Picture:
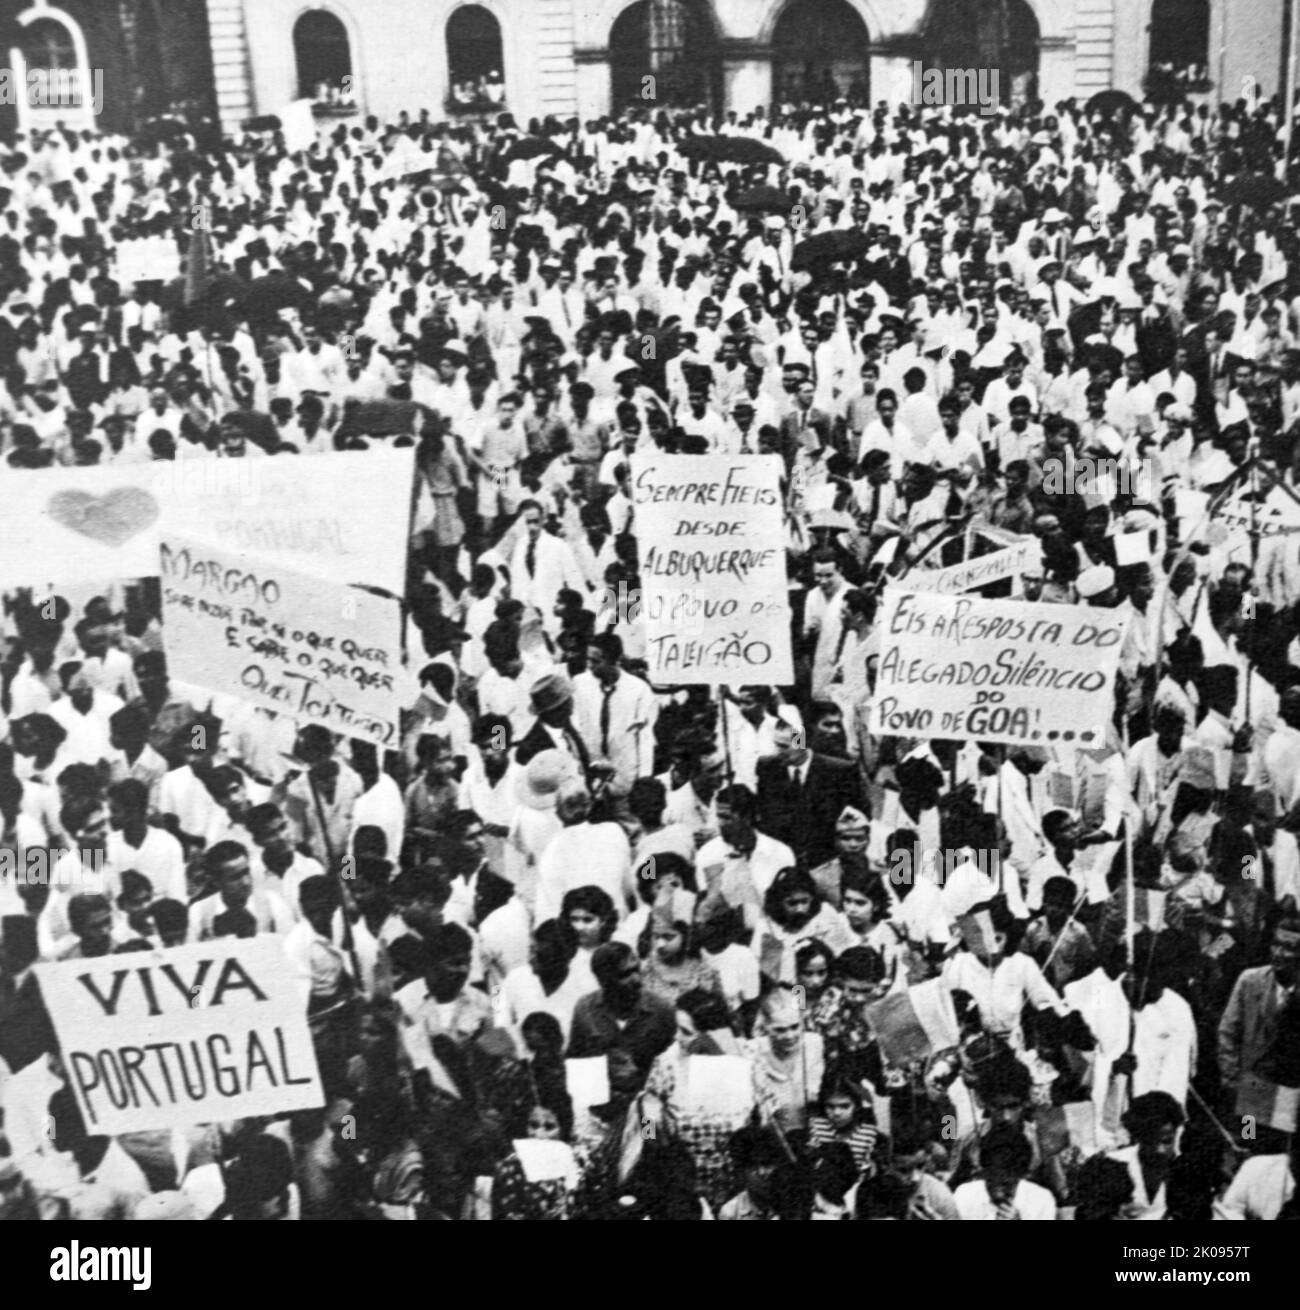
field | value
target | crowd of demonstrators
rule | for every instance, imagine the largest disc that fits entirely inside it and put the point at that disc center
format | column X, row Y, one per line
column 588, row 947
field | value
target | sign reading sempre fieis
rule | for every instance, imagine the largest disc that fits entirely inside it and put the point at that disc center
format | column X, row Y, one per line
column 320, row 652
column 715, row 600
column 182, row 1036
column 997, row 671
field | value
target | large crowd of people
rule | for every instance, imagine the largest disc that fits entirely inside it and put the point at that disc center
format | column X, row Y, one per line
column 587, row 946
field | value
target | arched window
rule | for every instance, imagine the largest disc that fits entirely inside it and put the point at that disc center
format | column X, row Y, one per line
column 324, row 58
column 1179, row 48
column 662, row 53
column 475, row 68
column 992, row 35
column 55, row 82
column 47, row 44
column 819, row 52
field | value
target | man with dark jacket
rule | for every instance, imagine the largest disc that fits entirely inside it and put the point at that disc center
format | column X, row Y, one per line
column 801, row 795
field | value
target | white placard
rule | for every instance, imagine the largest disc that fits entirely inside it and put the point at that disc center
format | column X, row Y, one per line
column 188, row 1035
column 965, row 668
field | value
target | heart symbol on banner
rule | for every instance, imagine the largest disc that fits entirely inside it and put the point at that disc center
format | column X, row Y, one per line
column 113, row 518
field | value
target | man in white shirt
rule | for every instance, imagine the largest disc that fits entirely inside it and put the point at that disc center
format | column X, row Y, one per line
column 136, row 844
column 740, row 863
column 84, row 713
column 1002, row 1192
column 824, row 618
column 615, row 713
column 541, row 565
column 583, row 854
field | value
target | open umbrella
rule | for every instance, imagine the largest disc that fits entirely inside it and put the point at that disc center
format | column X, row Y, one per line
column 385, row 418
column 733, row 149
column 1111, row 102
column 763, row 199
column 529, row 148
column 1258, row 190
column 828, row 247
column 262, row 123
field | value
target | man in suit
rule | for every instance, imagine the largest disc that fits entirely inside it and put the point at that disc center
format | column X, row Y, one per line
column 802, row 427
column 802, row 794
column 1250, row 1021
column 551, row 699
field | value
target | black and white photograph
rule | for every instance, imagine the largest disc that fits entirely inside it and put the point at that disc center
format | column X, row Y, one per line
column 676, row 610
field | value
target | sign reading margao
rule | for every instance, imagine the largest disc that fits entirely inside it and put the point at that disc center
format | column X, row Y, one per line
column 188, row 1035
column 320, row 652
column 712, row 549
column 995, row 670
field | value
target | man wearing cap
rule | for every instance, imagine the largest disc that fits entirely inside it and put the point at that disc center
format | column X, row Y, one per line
column 852, row 830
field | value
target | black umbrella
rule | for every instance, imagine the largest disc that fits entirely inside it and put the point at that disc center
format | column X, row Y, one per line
column 385, row 418
column 763, row 199
column 828, row 247
column 529, row 148
column 733, row 149
column 1258, row 190
column 1109, row 103
column 262, row 123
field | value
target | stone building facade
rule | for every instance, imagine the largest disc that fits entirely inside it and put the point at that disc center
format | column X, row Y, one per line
column 586, row 57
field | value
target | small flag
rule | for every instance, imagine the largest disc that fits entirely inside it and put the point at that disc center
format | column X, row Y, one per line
column 1073, row 1124
column 771, row 956
column 1149, row 908
column 1268, row 1103
column 912, row 1025
column 978, row 933
column 1061, row 790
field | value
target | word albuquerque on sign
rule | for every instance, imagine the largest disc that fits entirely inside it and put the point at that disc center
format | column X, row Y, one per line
column 188, row 1035
column 994, row 670
column 320, row 652
column 712, row 548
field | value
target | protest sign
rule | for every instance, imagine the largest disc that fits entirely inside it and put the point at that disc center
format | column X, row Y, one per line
column 343, row 516
column 1024, row 557
column 715, row 597
column 188, row 1035
column 1276, row 514
column 995, row 670
column 321, row 652
column 147, row 259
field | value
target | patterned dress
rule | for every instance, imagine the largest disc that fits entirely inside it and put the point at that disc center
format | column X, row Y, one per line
column 704, row 1123
column 520, row 1189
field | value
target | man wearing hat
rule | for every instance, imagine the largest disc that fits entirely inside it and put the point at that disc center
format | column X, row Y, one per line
column 551, row 700
column 1059, row 296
